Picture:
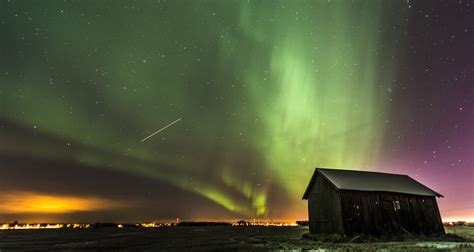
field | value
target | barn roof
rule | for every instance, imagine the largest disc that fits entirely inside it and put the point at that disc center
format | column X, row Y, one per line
column 371, row 181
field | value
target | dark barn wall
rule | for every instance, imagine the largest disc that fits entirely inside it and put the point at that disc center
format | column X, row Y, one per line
column 375, row 213
column 324, row 207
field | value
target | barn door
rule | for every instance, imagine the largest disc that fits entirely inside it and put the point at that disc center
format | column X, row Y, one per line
column 390, row 216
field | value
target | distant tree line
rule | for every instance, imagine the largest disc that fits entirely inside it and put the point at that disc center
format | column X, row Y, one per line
column 302, row 222
column 191, row 223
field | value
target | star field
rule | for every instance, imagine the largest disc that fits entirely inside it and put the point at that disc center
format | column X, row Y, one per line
column 267, row 91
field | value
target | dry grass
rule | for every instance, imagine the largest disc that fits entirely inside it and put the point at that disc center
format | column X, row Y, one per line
column 466, row 232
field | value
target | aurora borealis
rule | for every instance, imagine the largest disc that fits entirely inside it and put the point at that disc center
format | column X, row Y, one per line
column 268, row 90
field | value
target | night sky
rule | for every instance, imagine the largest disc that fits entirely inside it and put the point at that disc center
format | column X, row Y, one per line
column 267, row 91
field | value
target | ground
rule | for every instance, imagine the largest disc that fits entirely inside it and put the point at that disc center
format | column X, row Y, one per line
column 463, row 231
column 204, row 238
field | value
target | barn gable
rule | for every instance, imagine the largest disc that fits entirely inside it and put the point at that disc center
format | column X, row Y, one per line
column 324, row 204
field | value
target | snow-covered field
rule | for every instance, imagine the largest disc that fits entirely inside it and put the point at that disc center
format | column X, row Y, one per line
column 206, row 238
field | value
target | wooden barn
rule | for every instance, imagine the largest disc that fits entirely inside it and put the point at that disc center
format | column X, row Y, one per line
column 359, row 202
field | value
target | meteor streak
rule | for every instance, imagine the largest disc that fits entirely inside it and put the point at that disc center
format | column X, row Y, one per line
column 158, row 131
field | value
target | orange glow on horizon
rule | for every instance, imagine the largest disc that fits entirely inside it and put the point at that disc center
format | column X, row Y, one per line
column 30, row 202
column 458, row 218
column 457, row 215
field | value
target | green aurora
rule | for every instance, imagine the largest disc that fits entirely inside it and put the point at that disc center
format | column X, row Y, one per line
column 267, row 91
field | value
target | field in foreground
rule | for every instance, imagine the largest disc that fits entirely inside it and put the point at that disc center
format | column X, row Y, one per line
column 203, row 238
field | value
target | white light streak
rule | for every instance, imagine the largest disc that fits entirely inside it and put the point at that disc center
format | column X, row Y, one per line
column 158, row 131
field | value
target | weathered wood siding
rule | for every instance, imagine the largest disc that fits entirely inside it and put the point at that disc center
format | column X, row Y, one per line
column 377, row 213
column 324, row 208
